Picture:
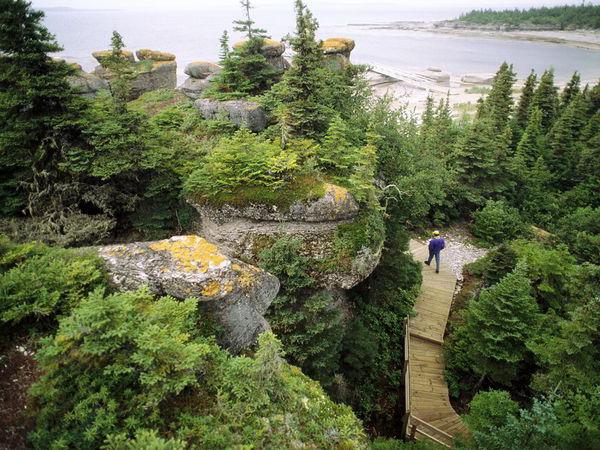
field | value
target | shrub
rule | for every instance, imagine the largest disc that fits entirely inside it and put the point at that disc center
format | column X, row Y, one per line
column 38, row 282
column 489, row 410
column 497, row 222
column 494, row 266
column 246, row 166
column 581, row 231
column 498, row 324
column 125, row 363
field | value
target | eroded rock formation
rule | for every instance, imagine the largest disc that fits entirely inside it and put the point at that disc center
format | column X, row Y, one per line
column 235, row 293
column 273, row 51
column 337, row 52
column 244, row 232
column 155, row 70
column 200, row 74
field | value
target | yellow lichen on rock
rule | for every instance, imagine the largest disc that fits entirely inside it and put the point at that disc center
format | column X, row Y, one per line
column 154, row 55
column 338, row 45
column 339, row 193
column 192, row 253
column 211, row 288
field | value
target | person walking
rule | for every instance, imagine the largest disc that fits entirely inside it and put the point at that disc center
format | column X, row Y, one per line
column 436, row 245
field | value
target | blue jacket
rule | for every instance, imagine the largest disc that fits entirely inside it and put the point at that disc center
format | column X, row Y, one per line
column 436, row 245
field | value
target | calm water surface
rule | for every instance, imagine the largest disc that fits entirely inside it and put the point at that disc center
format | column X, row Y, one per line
column 194, row 34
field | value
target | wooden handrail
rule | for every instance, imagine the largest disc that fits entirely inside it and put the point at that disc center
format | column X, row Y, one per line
column 428, row 425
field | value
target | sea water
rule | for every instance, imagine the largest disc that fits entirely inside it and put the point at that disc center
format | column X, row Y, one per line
column 193, row 34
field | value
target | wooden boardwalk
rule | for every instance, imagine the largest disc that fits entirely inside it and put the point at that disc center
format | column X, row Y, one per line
column 429, row 412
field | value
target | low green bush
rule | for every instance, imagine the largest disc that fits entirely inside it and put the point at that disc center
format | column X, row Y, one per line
column 497, row 222
column 581, row 231
column 127, row 362
column 245, row 168
column 39, row 282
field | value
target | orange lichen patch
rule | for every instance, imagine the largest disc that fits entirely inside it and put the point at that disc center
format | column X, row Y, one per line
column 211, row 288
column 192, row 253
column 339, row 193
column 338, row 45
column 246, row 278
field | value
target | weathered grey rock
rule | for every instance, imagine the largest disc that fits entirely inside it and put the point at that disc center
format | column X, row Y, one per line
column 245, row 232
column 235, row 293
column 86, row 84
column 145, row 54
column 343, row 46
column 73, row 64
column 201, row 69
column 434, row 69
column 193, row 87
column 436, row 76
column 279, row 63
column 478, row 78
column 336, row 62
column 149, row 76
column 102, row 55
column 243, row 113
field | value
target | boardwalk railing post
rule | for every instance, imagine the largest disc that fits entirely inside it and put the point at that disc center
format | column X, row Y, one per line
column 413, row 431
column 405, row 420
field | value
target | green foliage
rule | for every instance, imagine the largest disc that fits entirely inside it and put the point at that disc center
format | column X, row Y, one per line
column 495, row 265
column 121, row 70
column 245, row 72
column 489, row 410
column 303, row 113
column 534, row 429
column 553, row 18
column 307, row 321
column 497, row 222
column 580, row 230
column 521, row 116
column 546, row 100
column 38, row 283
column 143, row 440
column 38, row 111
column 127, row 362
column 372, row 354
column 247, row 167
column 498, row 324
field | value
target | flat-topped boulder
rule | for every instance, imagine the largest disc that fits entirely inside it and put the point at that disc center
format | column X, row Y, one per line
column 243, row 232
column 235, row 293
column 343, row 46
column 102, row 55
column 478, row 78
column 148, row 76
column 145, row 54
column 243, row 113
column 270, row 47
column 202, row 69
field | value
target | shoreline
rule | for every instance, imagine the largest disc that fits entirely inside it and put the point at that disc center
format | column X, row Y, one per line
column 586, row 39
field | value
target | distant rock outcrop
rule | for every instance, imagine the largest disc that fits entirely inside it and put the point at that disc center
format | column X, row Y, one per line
column 155, row 70
column 243, row 232
column 337, row 52
column 436, row 75
column 478, row 78
column 235, row 293
column 242, row 113
column 200, row 74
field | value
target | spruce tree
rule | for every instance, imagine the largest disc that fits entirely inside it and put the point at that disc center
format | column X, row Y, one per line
column 223, row 47
column 122, row 71
column 531, row 144
column 499, row 101
column 498, row 325
column 246, row 25
column 588, row 167
column 38, row 109
column 479, row 162
column 303, row 115
column 563, row 143
column 546, row 99
column 571, row 89
column 521, row 117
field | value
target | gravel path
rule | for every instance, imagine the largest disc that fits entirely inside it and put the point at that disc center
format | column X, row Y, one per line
column 459, row 250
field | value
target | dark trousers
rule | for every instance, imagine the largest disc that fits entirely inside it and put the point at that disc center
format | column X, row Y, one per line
column 437, row 259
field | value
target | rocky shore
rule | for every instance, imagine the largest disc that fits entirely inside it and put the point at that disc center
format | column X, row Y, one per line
column 588, row 39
